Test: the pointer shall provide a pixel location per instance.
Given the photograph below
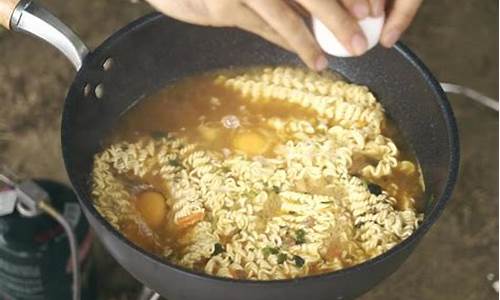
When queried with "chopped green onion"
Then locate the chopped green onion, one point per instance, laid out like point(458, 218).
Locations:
point(158, 135)
point(252, 194)
point(300, 237)
point(270, 250)
point(299, 261)
point(281, 258)
point(218, 249)
point(375, 189)
point(175, 162)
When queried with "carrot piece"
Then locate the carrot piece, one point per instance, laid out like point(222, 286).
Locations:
point(334, 249)
point(189, 220)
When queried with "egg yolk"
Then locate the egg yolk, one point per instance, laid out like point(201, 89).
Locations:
point(151, 205)
point(250, 143)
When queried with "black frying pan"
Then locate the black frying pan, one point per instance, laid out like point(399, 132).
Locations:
point(154, 51)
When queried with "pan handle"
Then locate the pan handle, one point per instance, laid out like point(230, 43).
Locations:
point(26, 16)
point(470, 93)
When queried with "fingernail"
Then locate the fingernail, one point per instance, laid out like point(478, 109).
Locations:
point(321, 63)
point(360, 10)
point(378, 7)
point(390, 38)
point(359, 44)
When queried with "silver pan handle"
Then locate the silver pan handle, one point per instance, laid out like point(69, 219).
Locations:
point(30, 18)
point(470, 93)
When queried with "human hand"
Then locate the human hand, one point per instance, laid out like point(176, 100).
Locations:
point(280, 22)
point(399, 16)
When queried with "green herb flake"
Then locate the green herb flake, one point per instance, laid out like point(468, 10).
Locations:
point(218, 249)
point(300, 237)
point(175, 162)
point(157, 135)
point(266, 251)
point(326, 202)
point(375, 189)
point(270, 250)
point(281, 258)
point(252, 194)
point(276, 189)
point(299, 261)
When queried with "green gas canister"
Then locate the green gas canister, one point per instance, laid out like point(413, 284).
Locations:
point(34, 250)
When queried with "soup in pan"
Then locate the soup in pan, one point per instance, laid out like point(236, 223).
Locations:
point(259, 173)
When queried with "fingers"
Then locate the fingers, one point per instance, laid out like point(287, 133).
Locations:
point(340, 22)
point(363, 8)
point(292, 28)
point(250, 21)
point(358, 8)
point(399, 18)
point(196, 12)
point(377, 7)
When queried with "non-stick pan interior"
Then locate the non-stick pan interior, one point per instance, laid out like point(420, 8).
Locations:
point(146, 60)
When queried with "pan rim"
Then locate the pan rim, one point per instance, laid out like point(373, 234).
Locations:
point(432, 216)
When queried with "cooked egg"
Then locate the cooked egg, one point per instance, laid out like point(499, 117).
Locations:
point(151, 205)
point(251, 143)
